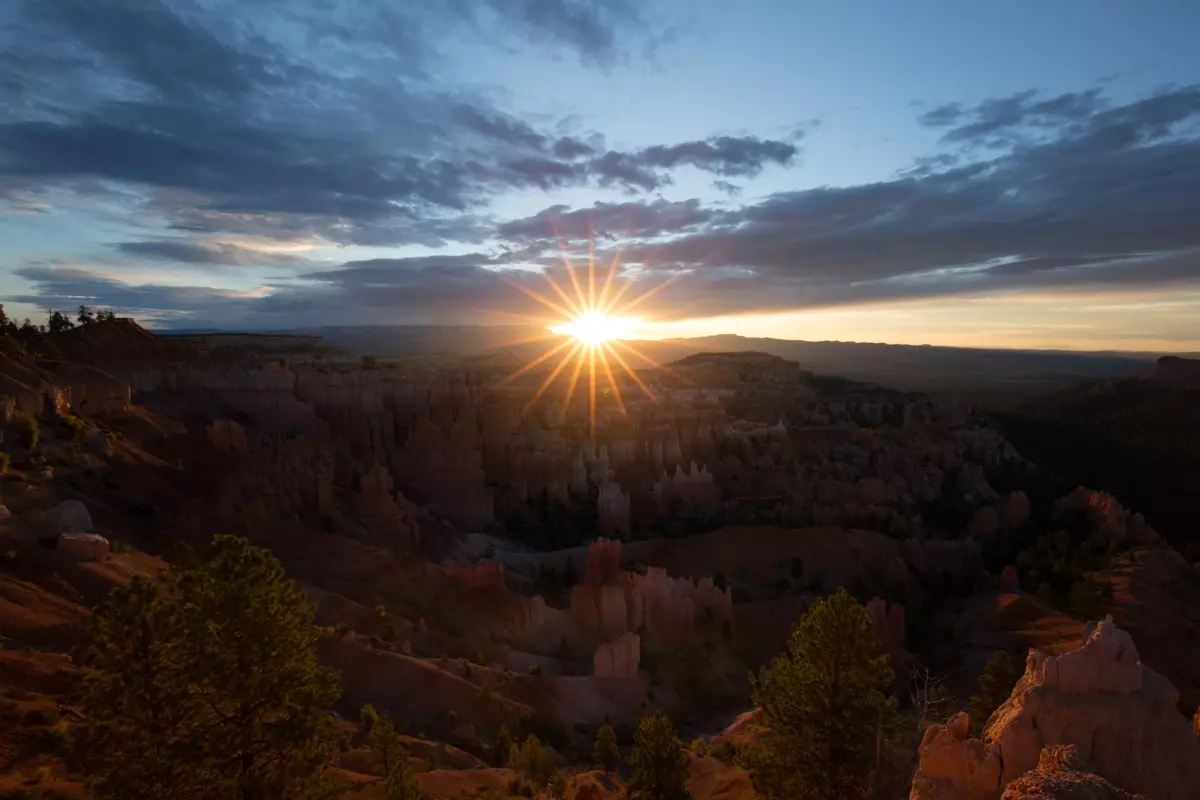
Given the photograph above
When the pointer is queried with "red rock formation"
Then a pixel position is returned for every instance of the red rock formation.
(1106, 517)
(618, 659)
(1062, 775)
(386, 513)
(1120, 715)
(480, 576)
(83, 546)
(527, 615)
(603, 562)
(225, 434)
(612, 509)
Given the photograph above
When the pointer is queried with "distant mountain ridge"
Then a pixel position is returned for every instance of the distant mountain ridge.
(996, 377)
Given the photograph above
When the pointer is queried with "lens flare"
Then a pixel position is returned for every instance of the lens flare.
(587, 327)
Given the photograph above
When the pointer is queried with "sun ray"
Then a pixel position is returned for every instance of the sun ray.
(601, 304)
(550, 379)
(611, 380)
(641, 298)
(591, 265)
(592, 387)
(570, 268)
(533, 364)
(574, 380)
(576, 309)
(541, 299)
(636, 379)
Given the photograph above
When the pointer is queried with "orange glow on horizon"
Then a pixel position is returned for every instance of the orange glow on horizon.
(596, 320)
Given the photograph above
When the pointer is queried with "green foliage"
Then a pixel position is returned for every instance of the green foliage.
(367, 717)
(5, 462)
(205, 683)
(995, 685)
(502, 749)
(85, 316)
(398, 779)
(75, 428)
(29, 429)
(658, 768)
(58, 322)
(535, 764)
(605, 755)
(826, 705)
(536, 670)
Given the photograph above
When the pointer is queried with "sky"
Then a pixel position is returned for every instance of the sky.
(1021, 174)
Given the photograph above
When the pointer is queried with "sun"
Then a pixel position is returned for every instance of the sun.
(594, 328)
(596, 332)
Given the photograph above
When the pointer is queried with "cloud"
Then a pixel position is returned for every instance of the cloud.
(190, 252)
(622, 221)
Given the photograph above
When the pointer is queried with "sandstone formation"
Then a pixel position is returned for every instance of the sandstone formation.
(225, 434)
(618, 659)
(1062, 775)
(1106, 518)
(481, 576)
(609, 603)
(1120, 716)
(69, 516)
(83, 546)
(386, 513)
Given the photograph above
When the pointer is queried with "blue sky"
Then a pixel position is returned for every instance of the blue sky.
(1011, 175)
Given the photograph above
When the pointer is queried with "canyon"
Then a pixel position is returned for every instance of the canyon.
(559, 560)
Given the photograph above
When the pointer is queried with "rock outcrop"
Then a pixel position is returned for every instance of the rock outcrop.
(610, 602)
(227, 435)
(83, 546)
(620, 658)
(1120, 716)
(1062, 775)
(69, 516)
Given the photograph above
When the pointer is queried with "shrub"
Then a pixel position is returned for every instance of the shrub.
(28, 428)
(5, 462)
(367, 717)
(536, 670)
(75, 428)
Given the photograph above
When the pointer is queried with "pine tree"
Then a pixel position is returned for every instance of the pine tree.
(206, 683)
(658, 769)
(605, 754)
(995, 685)
(535, 764)
(826, 706)
(502, 749)
(398, 779)
(138, 709)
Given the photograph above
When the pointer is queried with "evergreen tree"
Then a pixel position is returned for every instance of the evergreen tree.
(605, 754)
(825, 703)
(85, 316)
(398, 779)
(535, 764)
(58, 322)
(658, 769)
(138, 710)
(995, 685)
(502, 750)
(206, 684)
